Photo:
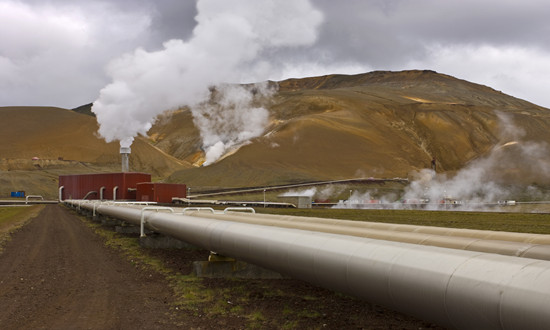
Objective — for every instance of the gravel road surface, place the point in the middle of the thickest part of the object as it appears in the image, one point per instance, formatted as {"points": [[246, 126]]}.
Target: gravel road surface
{"points": [[55, 273]]}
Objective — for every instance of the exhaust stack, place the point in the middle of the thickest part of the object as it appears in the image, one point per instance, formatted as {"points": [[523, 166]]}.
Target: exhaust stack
{"points": [[125, 153]]}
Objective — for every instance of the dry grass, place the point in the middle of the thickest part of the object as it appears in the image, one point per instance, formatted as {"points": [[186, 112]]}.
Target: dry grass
{"points": [[12, 218]]}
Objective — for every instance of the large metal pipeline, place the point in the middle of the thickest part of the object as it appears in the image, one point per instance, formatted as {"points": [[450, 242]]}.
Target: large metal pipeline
{"points": [[436, 236], [453, 288], [442, 231], [519, 246]]}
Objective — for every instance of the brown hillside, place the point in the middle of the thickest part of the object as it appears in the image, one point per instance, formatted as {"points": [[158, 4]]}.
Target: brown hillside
{"points": [[64, 142], [176, 134], [379, 124], [50, 133]]}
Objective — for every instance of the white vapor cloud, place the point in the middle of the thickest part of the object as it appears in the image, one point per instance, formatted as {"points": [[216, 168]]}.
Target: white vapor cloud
{"points": [[48, 54], [55, 52], [229, 119], [521, 72], [514, 164], [227, 46], [309, 192]]}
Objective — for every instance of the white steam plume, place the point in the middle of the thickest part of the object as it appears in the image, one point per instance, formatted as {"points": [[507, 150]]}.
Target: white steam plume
{"points": [[310, 192], [514, 162], [509, 168], [314, 192], [230, 44], [366, 200], [229, 119]]}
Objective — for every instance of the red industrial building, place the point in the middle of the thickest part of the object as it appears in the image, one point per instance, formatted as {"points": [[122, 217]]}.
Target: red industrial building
{"points": [[160, 192], [113, 186], [118, 186]]}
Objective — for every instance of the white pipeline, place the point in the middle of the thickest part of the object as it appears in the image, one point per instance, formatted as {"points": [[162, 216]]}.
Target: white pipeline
{"points": [[453, 288], [535, 246]]}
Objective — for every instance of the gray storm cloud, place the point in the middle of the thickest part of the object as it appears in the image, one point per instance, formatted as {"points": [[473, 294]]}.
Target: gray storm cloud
{"points": [[228, 45], [54, 52]]}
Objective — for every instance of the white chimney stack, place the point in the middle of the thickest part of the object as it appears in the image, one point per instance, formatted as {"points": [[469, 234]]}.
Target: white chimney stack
{"points": [[125, 152]]}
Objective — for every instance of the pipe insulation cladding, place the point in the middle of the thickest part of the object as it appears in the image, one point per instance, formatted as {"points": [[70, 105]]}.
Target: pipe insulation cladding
{"points": [[453, 288], [441, 231], [520, 244]]}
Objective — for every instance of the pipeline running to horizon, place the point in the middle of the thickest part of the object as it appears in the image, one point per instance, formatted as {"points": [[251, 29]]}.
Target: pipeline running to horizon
{"points": [[457, 278]]}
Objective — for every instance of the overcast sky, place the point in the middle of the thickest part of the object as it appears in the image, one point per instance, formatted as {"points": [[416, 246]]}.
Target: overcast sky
{"points": [[57, 52]]}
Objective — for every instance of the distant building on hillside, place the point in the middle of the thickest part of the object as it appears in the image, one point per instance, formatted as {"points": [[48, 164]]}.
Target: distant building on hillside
{"points": [[301, 202], [160, 192]]}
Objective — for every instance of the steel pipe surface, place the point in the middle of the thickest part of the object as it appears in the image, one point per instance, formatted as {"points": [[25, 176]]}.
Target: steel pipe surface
{"points": [[474, 233], [516, 247], [454, 288]]}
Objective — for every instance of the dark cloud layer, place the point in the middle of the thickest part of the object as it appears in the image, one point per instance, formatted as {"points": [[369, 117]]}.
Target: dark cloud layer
{"points": [[55, 52]]}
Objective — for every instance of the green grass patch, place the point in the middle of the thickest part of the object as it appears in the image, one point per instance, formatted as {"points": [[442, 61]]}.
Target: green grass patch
{"points": [[13, 218], [12, 215], [256, 316]]}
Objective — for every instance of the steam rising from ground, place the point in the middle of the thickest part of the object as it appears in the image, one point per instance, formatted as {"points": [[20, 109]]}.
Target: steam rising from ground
{"points": [[230, 44], [230, 118], [501, 174], [309, 192], [512, 163]]}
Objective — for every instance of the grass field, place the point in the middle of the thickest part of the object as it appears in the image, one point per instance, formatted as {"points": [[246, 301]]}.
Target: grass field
{"points": [[12, 218]]}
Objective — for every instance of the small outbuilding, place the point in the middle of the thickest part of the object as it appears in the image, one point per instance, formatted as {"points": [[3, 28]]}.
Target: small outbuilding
{"points": [[301, 202], [160, 192]]}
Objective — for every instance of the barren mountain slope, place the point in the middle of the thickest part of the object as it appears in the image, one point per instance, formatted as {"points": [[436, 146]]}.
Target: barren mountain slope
{"points": [[380, 124], [63, 142], [176, 134]]}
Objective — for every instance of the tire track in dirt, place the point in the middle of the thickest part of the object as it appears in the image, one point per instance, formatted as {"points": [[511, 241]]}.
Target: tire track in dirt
{"points": [[56, 273]]}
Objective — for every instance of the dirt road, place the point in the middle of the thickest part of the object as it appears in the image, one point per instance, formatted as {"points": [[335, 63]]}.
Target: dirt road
{"points": [[56, 273]]}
